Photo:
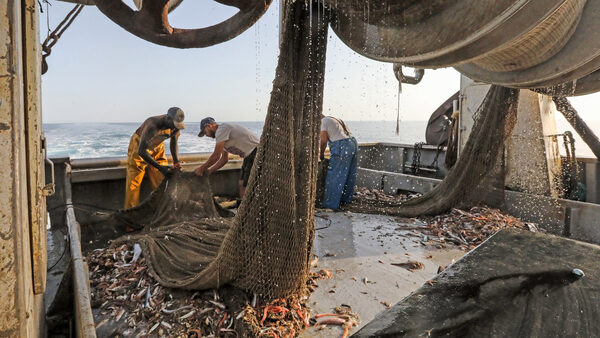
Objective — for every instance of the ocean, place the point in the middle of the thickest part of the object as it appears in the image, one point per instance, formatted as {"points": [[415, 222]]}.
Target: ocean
{"points": [[88, 140]]}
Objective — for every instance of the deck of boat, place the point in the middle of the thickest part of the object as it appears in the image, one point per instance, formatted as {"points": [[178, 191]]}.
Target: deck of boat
{"points": [[359, 249]]}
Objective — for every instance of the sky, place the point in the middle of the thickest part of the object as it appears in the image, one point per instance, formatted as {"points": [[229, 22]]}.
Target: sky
{"points": [[98, 72]]}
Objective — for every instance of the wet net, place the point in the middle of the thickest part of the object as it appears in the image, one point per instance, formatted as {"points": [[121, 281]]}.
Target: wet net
{"points": [[477, 175], [190, 243], [266, 247]]}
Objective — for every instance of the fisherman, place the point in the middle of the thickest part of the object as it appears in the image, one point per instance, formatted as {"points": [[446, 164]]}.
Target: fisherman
{"points": [[230, 138], [147, 147], [341, 173]]}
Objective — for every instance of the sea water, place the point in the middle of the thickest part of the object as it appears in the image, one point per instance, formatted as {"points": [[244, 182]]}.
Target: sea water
{"points": [[88, 140]]}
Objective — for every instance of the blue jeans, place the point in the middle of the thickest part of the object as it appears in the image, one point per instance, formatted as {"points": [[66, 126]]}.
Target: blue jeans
{"points": [[341, 174]]}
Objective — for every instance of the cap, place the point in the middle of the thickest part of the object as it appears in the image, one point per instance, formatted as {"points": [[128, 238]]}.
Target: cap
{"points": [[177, 115], [205, 122]]}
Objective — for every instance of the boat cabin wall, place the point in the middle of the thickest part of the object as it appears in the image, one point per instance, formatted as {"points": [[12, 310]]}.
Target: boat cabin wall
{"points": [[22, 190], [589, 175], [428, 160]]}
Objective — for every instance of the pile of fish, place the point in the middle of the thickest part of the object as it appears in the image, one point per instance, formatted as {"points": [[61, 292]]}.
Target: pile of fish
{"points": [[127, 301], [288, 317], [467, 229], [278, 318], [380, 195]]}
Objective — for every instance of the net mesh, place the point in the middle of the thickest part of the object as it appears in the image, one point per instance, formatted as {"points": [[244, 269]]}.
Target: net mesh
{"points": [[539, 44], [476, 175], [266, 247]]}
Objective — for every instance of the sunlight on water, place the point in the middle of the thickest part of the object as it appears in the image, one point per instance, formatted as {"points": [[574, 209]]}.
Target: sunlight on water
{"points": [[83, 140]]}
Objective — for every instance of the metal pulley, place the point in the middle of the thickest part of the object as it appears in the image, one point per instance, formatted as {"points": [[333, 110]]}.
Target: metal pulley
{"points": [[530, 44], [151, 23], [418, 76], [415, 79]]}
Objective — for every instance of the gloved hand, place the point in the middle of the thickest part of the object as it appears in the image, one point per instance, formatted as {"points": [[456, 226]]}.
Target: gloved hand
{"points": [[165, 170], [177, 166]]}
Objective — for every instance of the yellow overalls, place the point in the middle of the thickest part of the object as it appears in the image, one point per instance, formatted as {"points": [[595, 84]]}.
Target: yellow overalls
{"points": [[136, 166]]}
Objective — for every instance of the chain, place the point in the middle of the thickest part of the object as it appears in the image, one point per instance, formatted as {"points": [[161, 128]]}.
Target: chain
{"points": [[53, 37], [434, 164], [417, 158]]}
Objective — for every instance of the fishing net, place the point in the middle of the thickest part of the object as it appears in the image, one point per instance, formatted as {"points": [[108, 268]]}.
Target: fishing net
{"points": [[539, 44], [266, 247], [512, 286], [478, 173]]}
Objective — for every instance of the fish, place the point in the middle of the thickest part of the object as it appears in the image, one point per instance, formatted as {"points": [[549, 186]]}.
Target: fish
{"points": [[167, 311], [331, 321]]}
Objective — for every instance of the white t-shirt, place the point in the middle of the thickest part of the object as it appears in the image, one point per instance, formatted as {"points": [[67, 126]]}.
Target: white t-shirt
{"points": [[335, 130], [239, 140]]}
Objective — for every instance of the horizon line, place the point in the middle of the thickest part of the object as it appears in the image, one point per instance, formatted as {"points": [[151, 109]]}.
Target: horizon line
{"points": [[81, 122]]}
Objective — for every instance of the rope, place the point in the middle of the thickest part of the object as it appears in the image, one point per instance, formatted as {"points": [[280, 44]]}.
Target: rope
{"points": [[398, 109]]}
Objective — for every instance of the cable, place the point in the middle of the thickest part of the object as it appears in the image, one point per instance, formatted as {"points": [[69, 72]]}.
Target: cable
{"points": [[67, 247], [74, 205], [326, 226]]}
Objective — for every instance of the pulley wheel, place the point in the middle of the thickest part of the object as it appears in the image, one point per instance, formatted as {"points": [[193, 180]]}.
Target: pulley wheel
{"points": [[151, 23], [579, 57], [417, 36]]}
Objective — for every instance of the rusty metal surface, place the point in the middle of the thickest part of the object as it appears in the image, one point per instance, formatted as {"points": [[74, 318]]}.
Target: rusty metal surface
{"points": [[151, 22], [17, 311], [84, 320], [34, 135]]}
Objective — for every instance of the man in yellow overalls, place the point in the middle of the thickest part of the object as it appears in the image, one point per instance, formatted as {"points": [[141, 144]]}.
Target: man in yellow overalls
{"points": [[147, 147]]}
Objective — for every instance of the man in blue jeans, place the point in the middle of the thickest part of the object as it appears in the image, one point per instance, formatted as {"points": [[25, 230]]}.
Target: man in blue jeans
{"points": [[341, 173]]}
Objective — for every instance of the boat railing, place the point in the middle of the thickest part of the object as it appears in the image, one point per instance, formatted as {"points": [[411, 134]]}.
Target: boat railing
{"points": [[84, 319]]}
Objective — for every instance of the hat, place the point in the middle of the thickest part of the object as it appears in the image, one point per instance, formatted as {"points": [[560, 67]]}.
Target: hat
{"points": [[176, 114], [205, 122]]}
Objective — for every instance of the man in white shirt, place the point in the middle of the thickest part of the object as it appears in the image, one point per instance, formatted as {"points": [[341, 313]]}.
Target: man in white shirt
{"points": [[230, 138], [341, 173]]}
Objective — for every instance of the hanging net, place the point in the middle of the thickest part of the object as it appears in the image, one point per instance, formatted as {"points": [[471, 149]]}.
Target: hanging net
{"points": [[476, 176], [190, 243], [266, 247]]}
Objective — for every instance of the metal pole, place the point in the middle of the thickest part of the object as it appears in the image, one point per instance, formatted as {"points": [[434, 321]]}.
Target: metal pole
{"points": [[84, 319]]}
